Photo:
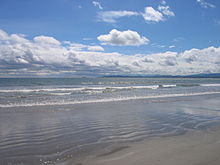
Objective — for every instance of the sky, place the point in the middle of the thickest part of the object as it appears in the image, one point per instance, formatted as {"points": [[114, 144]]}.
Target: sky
{"points": [[68, 38]]}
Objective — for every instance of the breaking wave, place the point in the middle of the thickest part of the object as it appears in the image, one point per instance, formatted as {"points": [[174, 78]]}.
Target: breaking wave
{"points": [[104, 100]]}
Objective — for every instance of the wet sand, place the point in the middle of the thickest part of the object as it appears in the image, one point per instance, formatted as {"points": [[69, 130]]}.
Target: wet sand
{"points": [[193, 148], [163, 131]]}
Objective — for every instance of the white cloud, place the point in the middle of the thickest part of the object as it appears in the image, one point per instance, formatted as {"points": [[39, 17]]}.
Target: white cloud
{"points": [[81, 47], [123, 38], [151, 15], [172, 46], [3, 35], [20, 56], [166, 10], [205, 4], [97, 4], [95, 48], [75, 46], [156, 45], [46, 40], [112, 16]]}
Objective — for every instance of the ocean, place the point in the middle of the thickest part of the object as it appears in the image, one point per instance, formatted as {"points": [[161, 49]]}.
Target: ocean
{"points": [[65, 120], [15, 92]]}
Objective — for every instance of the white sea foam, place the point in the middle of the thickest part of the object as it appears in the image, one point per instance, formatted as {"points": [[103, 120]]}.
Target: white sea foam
{"points": [[210, 85], [135, 87], [60, 94], [78, 89], [40, 90], [169, 85], [105, 100], [98, 88]]}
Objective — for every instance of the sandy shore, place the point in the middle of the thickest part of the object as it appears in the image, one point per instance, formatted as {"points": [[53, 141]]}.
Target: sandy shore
{"points": [[168, 131], [193, 148]]}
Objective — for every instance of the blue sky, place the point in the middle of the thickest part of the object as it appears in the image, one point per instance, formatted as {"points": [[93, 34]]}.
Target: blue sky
{"points": [[174, 36]]}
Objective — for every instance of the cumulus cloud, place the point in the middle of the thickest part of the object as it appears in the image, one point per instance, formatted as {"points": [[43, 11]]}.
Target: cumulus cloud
{"points": [[20, 56], [205, 4], [97, 4], [123, 38], [46, 40], [3, 35], [152, 15], [112, 16]]}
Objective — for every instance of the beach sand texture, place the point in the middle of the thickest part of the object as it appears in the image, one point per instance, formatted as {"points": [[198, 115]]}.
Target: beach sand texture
{"points": [[194, 148], [162, 131]]}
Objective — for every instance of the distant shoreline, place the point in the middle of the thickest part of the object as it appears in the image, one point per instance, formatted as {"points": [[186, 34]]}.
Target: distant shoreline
{"points": [[217, 75], [213, 75]]}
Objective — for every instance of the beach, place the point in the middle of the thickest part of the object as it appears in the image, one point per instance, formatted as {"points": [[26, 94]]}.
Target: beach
{"points": [[108, 82], [165, 130], [198, 147]]}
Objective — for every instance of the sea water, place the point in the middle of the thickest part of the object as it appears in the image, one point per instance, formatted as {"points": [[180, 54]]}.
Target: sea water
{"points": [[50, 91]]}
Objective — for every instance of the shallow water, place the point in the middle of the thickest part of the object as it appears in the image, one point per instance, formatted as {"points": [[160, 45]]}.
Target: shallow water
{"points": [[62, 134]]}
